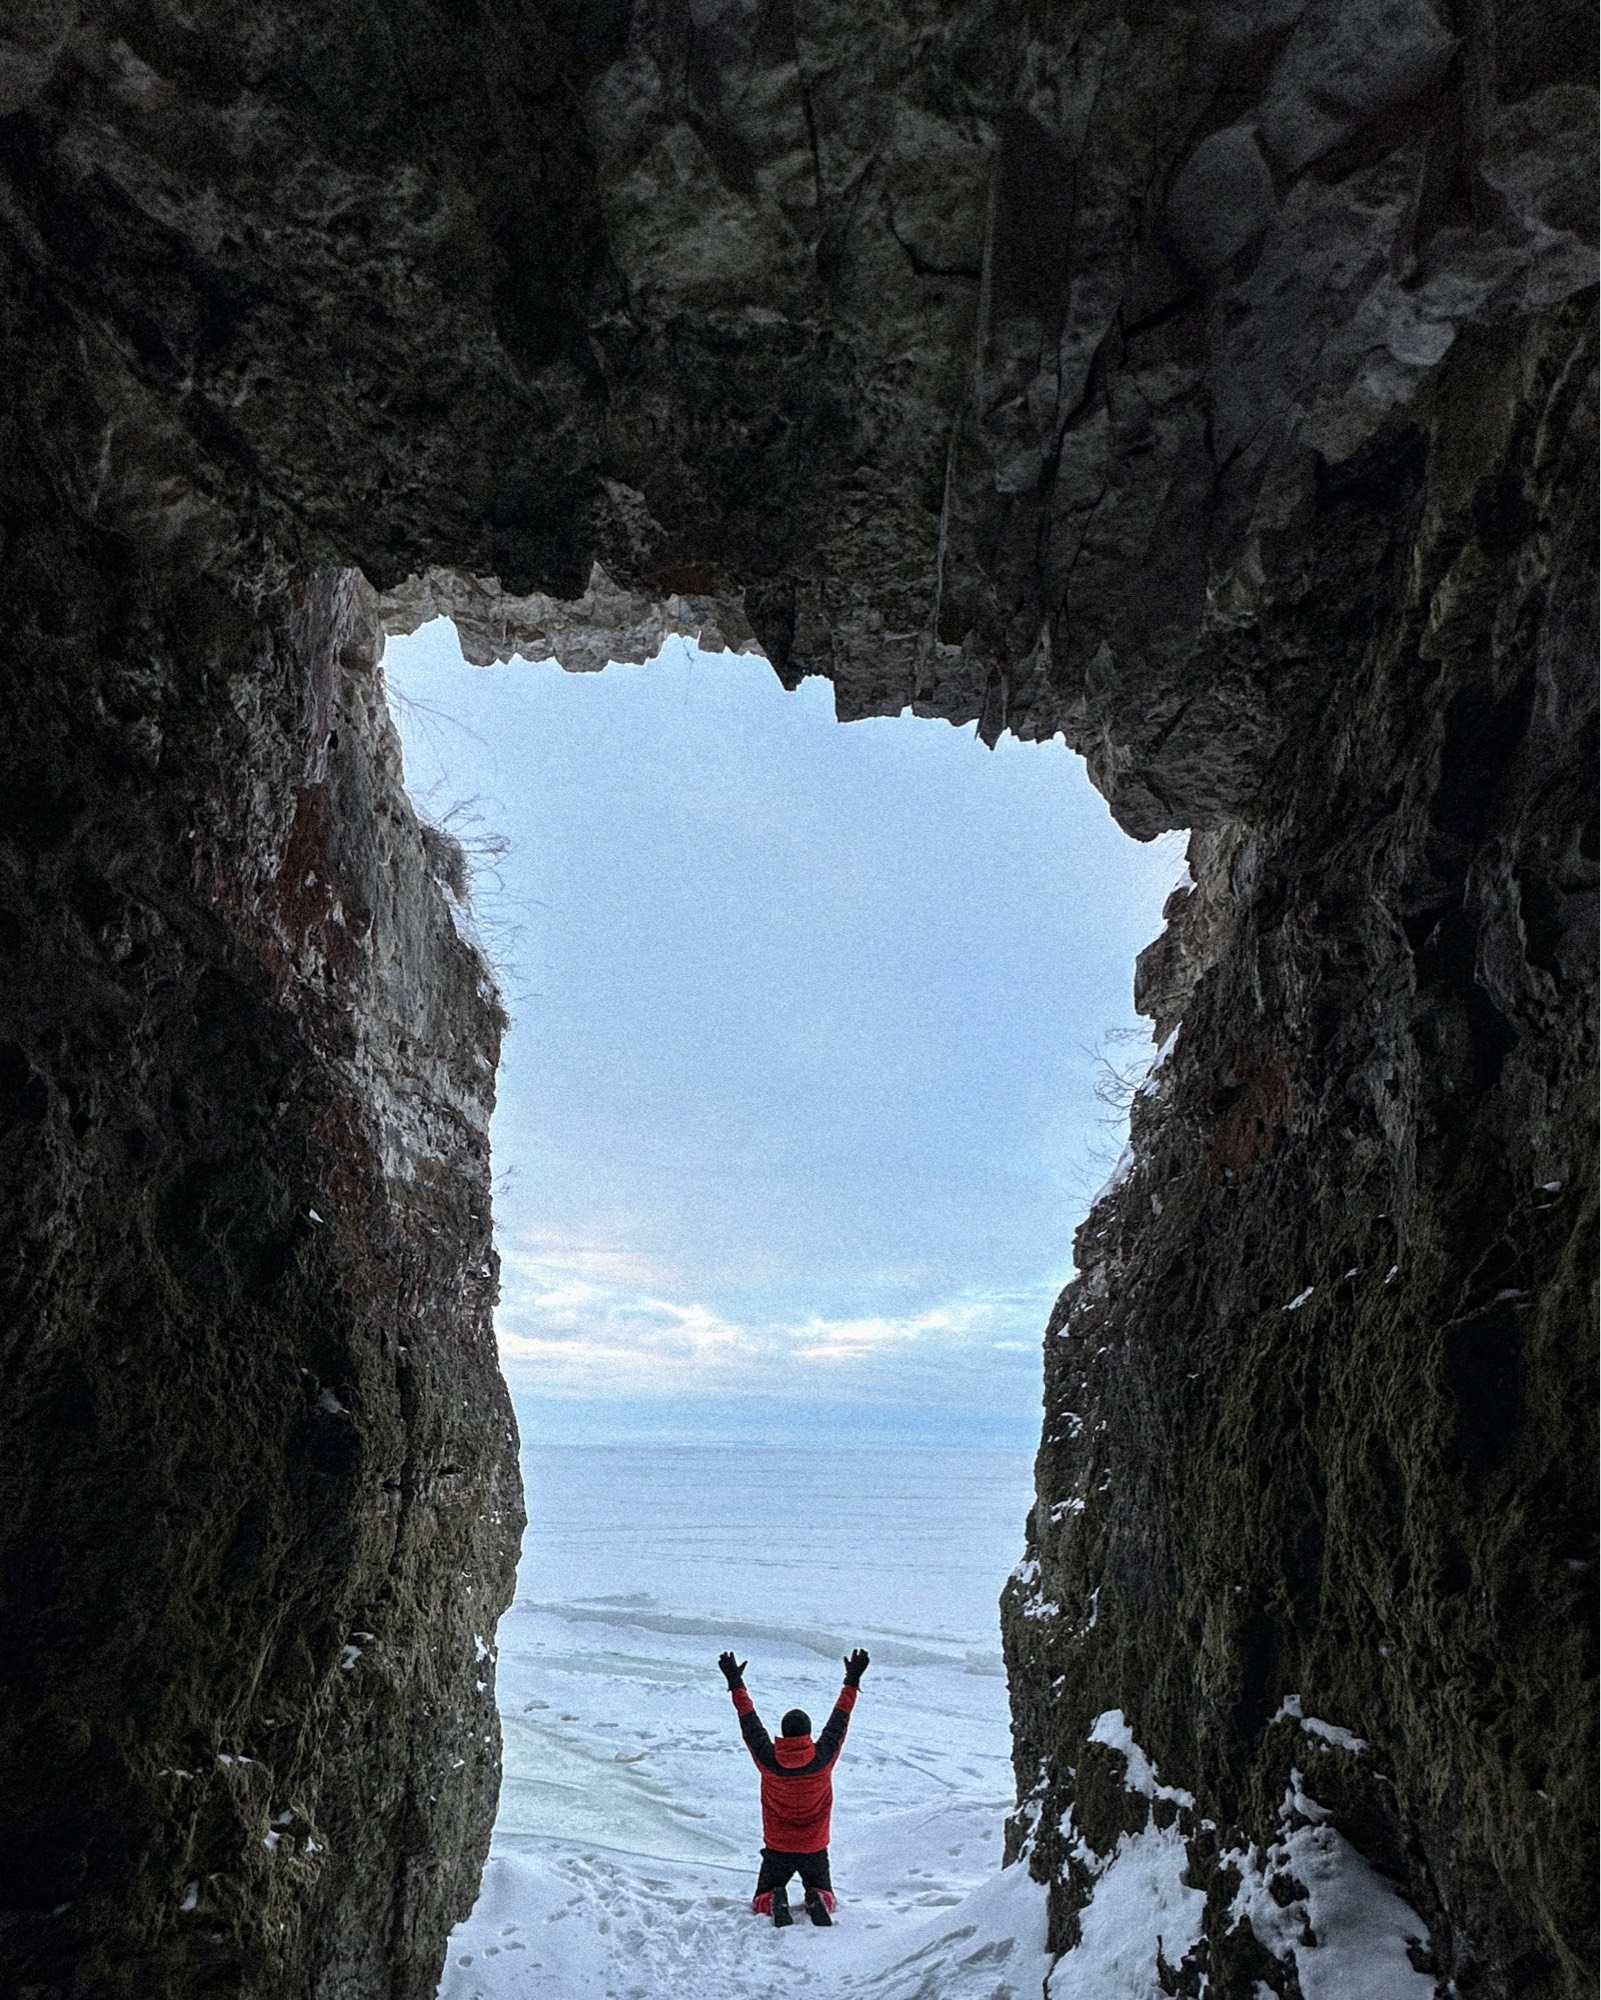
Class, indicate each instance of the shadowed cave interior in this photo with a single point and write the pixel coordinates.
(1214, 387)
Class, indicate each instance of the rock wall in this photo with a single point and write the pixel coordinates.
(258, 1476)
(1208, 384)
(1320, 1417)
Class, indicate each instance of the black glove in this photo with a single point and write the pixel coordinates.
(856, 1664)
(734, 1670)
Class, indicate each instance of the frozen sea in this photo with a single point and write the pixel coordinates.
(628, 1838)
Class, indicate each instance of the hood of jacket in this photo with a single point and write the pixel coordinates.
(794, 1751)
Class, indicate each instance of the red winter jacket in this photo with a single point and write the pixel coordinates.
(797, 1775)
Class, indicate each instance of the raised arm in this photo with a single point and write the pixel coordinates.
(757, 1740)
(833, 1736)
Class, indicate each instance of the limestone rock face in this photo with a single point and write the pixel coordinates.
(1320, 1404)
(1207, 384)
(258, 1466)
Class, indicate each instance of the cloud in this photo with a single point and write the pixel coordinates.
(856, 1339)
(595, 1319)
(535, 1256)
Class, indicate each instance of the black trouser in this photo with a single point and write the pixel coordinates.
(777, 1868)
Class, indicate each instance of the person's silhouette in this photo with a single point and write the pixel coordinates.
(797, 1792)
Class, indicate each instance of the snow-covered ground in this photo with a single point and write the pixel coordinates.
(629, 1835)
(627, 1843)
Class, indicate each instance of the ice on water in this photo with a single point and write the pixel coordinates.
(627, 1843)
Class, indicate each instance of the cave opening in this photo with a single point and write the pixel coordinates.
(820, 1042)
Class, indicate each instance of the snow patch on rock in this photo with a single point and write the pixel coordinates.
(1349, 1932)
(1143, 1915)
(1112, 1729)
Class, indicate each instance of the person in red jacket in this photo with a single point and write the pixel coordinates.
(797, 1792)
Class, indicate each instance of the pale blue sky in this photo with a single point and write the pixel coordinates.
(798, 1104)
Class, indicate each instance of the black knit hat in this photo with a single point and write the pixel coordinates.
(796, 1723)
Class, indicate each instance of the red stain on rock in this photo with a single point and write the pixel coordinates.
(306, 903)
(1252, 1103)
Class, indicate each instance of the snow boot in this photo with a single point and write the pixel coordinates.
(781, 1915)
(816, 1908)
